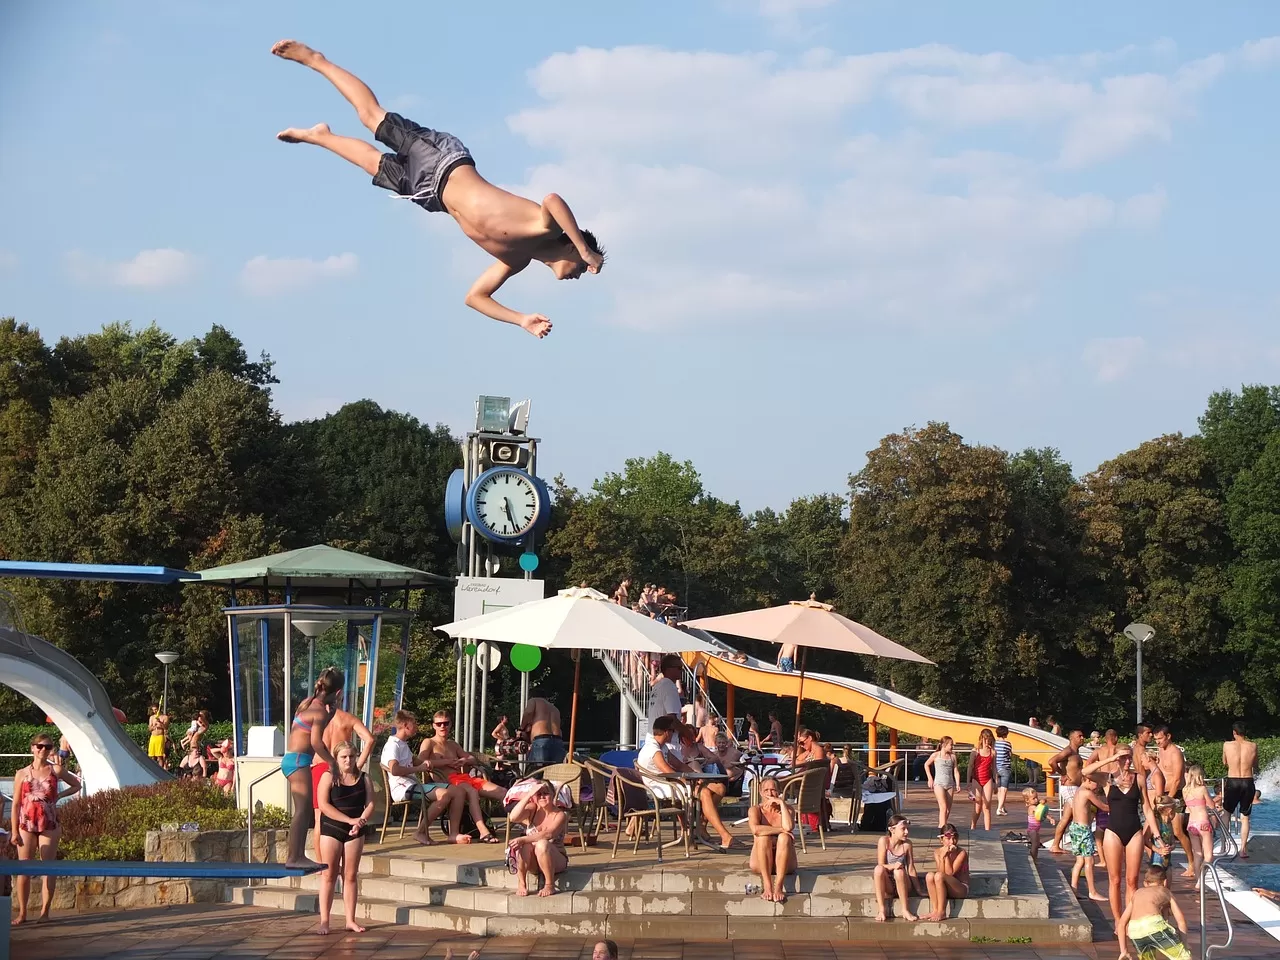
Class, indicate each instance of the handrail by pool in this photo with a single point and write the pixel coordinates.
(1206, 948)
(248, 853)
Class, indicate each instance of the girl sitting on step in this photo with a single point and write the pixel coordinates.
(541, 849)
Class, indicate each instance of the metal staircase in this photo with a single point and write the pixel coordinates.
(630, 671)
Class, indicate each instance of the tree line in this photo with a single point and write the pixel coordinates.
(1013, 574)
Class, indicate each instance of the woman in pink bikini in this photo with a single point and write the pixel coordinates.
(1196, 798)
(35, 817)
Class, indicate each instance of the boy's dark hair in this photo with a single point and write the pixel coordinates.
(1238, 727)
(1162, 728)
(405, 716)
(664, 723)
(1002, 731)
(671, 661)
(610, 948)
(1156, 873)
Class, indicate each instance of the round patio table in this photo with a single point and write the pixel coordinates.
(759, 769)
(691, 779)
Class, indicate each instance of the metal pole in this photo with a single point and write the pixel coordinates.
(1139, 681)
(484, 696)
(466, 704)
(457, 692)
(164, 701)
(624, 719)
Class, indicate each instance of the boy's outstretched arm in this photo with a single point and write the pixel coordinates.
(555, 212)
(480, 297)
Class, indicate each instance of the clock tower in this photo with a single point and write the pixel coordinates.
(496, 502)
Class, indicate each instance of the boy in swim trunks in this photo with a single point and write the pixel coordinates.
(435, 171)
(447, 757)
(1146, 922)
(1079, 838)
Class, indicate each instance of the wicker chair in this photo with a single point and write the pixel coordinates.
(637, 803)
(807, 791)
(601, 776)
(404, 804)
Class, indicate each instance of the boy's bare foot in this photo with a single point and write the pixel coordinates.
(779, 895)
(547, 889)
(423, 838)
(1097, 896)
(462, 838)
(322, 930)
(881, 917)
(522, 887)
(293, 50)
(536, 324)
(303, 864)
(908, 916)
(355, 928)
(303, 134)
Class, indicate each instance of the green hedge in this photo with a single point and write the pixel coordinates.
(16, 738)
(113, 824)
(1208, 753)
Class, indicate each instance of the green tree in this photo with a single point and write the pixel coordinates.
(925, 564)
(1253, 596)
(1235, 428)
(1156, 538)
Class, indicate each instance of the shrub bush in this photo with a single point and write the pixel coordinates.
(1208, 753)
(16, 738)
(113, 824)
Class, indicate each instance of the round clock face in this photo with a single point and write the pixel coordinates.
(506, 502)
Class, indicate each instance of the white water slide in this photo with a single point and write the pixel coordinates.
(63, 688)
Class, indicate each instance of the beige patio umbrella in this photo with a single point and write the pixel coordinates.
(807, 623)
(579, 618)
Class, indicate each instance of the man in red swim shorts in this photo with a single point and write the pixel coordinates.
(449, 758)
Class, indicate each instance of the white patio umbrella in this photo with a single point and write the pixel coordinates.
(807, 623)
(577, 619)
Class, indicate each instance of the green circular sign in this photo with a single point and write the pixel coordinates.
(525, 658)
(469, 649)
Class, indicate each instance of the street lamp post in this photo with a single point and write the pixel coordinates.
(166, 657)
(1139, 633)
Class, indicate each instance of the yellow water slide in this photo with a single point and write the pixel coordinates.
(879, 708)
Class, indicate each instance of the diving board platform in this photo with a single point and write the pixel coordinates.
(172, 869)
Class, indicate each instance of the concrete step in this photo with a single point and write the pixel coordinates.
(620, 906)
(667, 877)
(757, 921)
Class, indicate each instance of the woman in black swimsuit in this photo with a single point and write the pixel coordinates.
(1122, 841)
(346, 804)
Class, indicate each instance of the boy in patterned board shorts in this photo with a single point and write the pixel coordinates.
(1146, 922)
(1079, 837)
(435, 171)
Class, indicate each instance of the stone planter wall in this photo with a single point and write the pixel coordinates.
(106, 893)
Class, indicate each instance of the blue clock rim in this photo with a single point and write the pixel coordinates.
(542, 516)
(455, 507)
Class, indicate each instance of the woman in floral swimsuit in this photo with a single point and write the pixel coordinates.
(35, 817)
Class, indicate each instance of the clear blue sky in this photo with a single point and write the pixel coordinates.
(1046, 224)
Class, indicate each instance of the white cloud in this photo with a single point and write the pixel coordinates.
(1143, 209)
(150, 269)
(265, 276)
(1261, 52)
(828, 190)
(1110, 358)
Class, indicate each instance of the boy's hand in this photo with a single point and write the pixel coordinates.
(592, 259)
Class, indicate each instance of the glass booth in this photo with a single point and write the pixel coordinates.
(276, 653)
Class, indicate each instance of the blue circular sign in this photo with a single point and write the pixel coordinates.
(528, 562)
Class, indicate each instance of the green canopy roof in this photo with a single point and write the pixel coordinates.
(322, 566)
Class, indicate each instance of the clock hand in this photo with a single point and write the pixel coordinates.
(510, 512)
